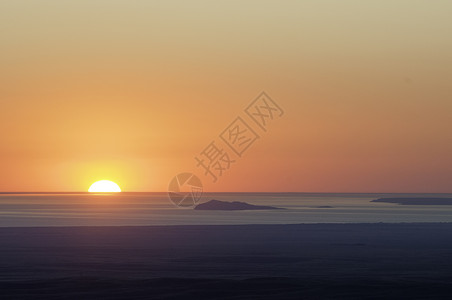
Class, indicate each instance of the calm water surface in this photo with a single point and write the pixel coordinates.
(128, 209)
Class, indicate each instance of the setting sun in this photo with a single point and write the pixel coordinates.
(104, 186)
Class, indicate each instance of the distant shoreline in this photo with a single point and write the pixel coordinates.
(416, 201)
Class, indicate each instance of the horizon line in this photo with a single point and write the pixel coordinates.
(222, 192)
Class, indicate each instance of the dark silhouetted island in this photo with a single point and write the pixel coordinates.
(235, 205)
(416, 201)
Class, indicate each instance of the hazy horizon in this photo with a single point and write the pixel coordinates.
(227, 192)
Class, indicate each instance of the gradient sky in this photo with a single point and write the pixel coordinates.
(132, 91)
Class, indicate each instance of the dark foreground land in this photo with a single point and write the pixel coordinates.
(319, 261)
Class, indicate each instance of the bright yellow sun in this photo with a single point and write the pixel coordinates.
(104, 186)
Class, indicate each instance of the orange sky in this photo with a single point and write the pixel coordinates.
(132, 91)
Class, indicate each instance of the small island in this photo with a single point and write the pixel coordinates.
(416, 201)
(235, 205)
